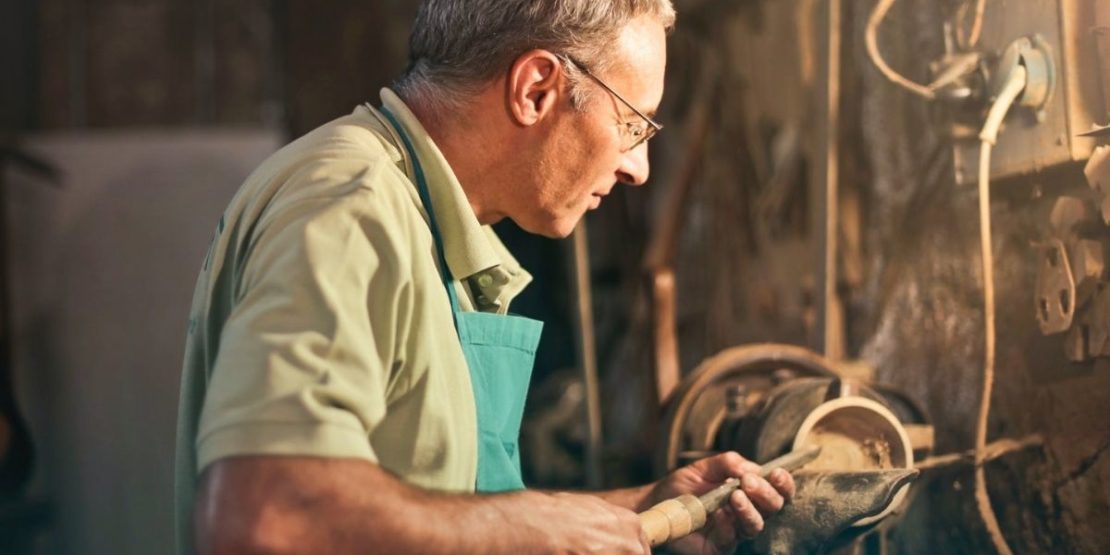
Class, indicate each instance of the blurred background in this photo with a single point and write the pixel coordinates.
(797, 196)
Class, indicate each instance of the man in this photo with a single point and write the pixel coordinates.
(352, 377)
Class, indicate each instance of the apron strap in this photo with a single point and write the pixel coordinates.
(426, 199)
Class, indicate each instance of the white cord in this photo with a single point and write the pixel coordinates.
(1013, 88)
(872, 42)
(1015, 84)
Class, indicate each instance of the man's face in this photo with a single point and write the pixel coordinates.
(583, 155)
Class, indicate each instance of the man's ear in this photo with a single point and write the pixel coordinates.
(535, 86)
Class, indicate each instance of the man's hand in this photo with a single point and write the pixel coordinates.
(743, 517)
(576, 523)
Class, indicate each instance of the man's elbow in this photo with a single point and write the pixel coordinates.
(245, 531)
(227, 522)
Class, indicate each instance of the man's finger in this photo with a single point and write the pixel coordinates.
(751, 522)
(722, 530)
(783, 482)
(729, 464)
(765, 498)
(645, 545)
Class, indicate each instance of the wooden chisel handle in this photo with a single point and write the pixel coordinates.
(672, 519)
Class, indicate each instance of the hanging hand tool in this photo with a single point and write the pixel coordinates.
(683, 515)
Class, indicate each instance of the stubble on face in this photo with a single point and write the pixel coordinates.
(577, 165)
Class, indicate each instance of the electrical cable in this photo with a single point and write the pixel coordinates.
(1013, 88)
(976, 25)
(878, 13)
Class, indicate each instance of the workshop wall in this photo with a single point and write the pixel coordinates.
(926, 288)
(125, 128)
(104, 264)
(909, 267)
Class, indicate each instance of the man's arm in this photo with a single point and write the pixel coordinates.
(636, 498)
(291, 505)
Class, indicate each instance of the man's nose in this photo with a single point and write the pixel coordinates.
(634, 166)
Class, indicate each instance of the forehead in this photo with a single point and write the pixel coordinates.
(640, 62)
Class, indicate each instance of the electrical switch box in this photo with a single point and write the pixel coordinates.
(1080, 97)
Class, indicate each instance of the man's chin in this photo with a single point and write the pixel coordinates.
(558, 229)
(560, 232)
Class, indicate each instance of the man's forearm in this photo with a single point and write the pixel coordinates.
(328, 506)
(278, 505)
(638, 498)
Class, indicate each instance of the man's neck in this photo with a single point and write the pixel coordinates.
(463, 142)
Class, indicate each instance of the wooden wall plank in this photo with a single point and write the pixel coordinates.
(55, 72)
(140, 63)
(244, 65)
(338, 55)
(17, 54)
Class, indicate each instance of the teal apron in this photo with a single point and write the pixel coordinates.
(499, 351)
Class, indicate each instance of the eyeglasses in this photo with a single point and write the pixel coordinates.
(635, 133)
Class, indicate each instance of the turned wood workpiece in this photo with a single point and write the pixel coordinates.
(683, 515)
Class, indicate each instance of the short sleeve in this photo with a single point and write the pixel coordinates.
(304, 356)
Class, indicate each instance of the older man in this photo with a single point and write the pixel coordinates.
(352, 377)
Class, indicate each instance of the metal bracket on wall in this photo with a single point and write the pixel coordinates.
(1097, 323)
(1097, 171)
(1071, 272)
(1055, 289)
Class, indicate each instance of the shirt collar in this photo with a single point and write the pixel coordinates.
(466, 244)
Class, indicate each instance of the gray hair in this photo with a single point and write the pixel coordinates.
(457, 46)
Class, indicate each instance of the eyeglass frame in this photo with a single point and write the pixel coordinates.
(653, 127)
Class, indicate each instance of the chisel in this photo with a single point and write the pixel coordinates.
(683, 515)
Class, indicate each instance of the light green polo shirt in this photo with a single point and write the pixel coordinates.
(320, 325)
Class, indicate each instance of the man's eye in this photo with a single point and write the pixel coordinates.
(636, 131)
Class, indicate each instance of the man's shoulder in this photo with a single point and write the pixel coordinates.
(354, 138)
(348, 161)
